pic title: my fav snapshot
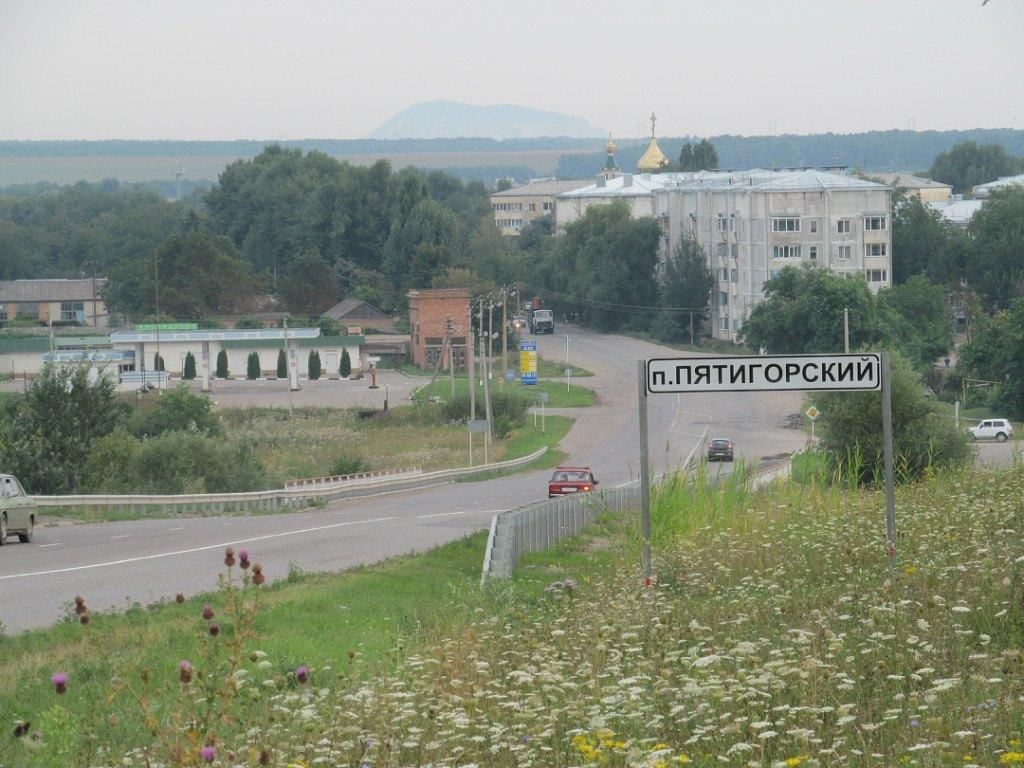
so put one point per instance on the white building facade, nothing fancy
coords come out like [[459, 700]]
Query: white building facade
[[752, 224]]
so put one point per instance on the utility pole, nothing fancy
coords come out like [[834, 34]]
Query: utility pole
[[156, 364], [471, 370], [504, 332], [288, 360], [486, 372], [451, 354], [846, 330], [177, 172], [490, 336]]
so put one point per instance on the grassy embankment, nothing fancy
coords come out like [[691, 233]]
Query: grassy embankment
[[776, 635], [559, 396]]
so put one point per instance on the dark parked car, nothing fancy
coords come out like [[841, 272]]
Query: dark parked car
[[720, 449]]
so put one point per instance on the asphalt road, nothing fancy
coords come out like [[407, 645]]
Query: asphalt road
[[115, 565]]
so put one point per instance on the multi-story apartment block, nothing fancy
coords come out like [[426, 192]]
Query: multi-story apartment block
[[516, 207], [751, 224]]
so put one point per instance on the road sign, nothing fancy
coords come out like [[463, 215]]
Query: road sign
[[772, 373], [542, 397], [860, 372], [528, 362], [510, 375], [812, 413], [477, 425]]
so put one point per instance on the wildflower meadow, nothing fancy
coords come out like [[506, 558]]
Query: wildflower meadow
[[776, 634]]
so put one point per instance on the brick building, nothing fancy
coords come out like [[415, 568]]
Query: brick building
[[430, 311]]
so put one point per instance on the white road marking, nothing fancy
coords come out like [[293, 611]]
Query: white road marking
[[179, 528], [115, 538], [464, 512], [143, 558], [54, 544]]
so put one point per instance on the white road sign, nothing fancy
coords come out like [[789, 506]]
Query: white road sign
[[764, 373]]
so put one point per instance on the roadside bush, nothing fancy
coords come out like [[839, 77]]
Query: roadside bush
[[189, 371], [348, 465], [252, 366], [315, 366], [222, 364], [508, 409], [346, 364], [178, 410], [851, 431], [46, 434], [282, 365], [173, 462], [158, 362]]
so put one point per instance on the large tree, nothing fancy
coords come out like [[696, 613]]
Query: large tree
[[603, 268], [995, 353], [924, 243], [685, 292], [968, 164], [196, 274], [311, 288], [701, 156], [925, 310], [996, 268], [422, 247]]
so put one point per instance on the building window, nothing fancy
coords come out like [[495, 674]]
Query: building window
[[734, 276], [735, 324], [874, 223], [875, 275], [785, 251], [27, 309], [812, 253], [723, 299], [723, 324], [775, 273], [723, 274], [725, 223], [791, 224], [814, 226], [844, 226], [72, 311], [844, 252], [874, 249], [533, 206], [549, 206]]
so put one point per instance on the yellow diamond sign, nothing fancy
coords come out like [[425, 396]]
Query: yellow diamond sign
[[812, 413]]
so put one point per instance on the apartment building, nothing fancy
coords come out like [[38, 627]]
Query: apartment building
[[927, 190], [752, 224], [516, 207]]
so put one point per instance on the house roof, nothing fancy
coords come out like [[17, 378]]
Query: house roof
[[1001, 183], [51, 290], [907, 181], [549, 187], [344, 308], [959, 212], [760, 180]]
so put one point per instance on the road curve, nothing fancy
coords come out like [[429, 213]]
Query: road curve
[[115, 565]]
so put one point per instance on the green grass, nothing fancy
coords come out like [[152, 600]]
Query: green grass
[[576, 397], [527, 439], [555, 369], [775, 613], [969, 417]]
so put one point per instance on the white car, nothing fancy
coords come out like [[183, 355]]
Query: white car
[[1000, 429]]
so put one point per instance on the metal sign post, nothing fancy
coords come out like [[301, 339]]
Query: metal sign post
[[543, 397], [812, 413], [476, 425], [890, 494], [774, 373], [568, 374], [645, 470]]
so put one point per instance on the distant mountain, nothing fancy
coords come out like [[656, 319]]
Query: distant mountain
[[449, 119]]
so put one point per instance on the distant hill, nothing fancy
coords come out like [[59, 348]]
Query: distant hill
[[450, 119]]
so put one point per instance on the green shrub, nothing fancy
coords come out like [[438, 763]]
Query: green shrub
[[173, 462], [315, 366], [348, 465], [222, 364], [282, 364], [508, 409], [189, 371], [158, 362], [252, 366], [346, 364], [851, 431], [179, 409]]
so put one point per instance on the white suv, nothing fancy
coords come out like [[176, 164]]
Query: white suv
[[1000, 429]]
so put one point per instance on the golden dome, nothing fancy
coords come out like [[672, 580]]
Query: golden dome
[[653, 159], [610, 146]]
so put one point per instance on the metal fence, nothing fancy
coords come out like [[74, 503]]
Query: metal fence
[[277, 499], [535, 527]]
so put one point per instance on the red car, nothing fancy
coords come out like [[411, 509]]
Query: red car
[[568, 480]]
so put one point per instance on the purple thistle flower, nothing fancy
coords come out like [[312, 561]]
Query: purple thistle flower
[[302, 674], [185, 672], [207, 612], [60, 682], [208, 754]]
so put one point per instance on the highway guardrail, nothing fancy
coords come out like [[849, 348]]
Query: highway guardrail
[[535, 527], [277, 499]]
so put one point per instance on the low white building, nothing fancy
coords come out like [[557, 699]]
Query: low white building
[[956, 210], [751, 224], [983, 190]]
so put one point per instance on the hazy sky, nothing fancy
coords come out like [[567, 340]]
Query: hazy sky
[[213, 69]]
